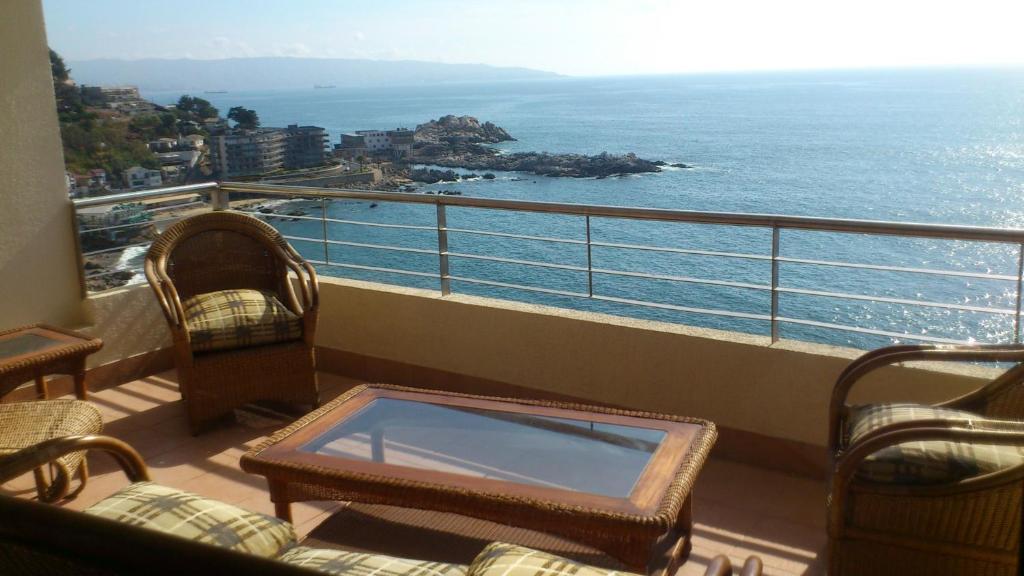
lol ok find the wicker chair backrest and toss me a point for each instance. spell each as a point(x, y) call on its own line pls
point(220, 251)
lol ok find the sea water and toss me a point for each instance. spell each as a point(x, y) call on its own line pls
point(938, 146)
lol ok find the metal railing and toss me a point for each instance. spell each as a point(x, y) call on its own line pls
point(776, 224)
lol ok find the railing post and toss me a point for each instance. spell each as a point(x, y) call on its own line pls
point(220, 199)
point(1020, 281)
point(775, 284)
point(323, 226)
point(442, 249)
point(590, 263)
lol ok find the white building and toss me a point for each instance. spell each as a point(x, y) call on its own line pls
point(399, 142)
point(138, 177)
point(190, 142)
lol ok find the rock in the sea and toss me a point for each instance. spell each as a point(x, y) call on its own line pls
point(464, 142)
point(432, 176)
point(460, 130)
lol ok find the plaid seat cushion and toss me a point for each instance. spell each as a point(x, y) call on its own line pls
point(230, 319)
point(931, 462)
point(501, 559)
point(200, 519)
point(362, 564)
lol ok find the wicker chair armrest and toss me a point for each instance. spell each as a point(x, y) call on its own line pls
point(32, 457)
point(166, 295)
point(975, 431)
point(889, 355)
point(721, 566)
point(752, 567)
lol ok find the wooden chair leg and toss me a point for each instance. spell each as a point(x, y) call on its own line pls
point(41, 484)
point(42, 392)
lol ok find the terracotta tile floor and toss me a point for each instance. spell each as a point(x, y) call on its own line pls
point(738, 509)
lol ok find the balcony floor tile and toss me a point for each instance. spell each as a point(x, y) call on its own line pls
point(739, 510)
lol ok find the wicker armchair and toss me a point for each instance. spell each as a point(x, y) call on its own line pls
point(928, 489)
point(223, 280)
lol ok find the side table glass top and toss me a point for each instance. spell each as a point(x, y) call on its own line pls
point(26, 343)
point(554, 452)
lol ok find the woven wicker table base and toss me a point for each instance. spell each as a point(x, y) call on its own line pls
point(436, 536)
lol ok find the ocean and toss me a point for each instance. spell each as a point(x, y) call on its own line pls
point(938, 146)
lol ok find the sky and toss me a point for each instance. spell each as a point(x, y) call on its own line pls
point(572, 37)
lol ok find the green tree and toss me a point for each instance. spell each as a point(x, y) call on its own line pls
point(69, 97)
point(57, 68)
point(199, 108)
point(244, 117)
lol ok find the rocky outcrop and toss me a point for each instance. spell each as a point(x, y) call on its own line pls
point(460, 130)
point(463, 142)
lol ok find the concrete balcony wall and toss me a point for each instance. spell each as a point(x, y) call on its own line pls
point(38, 257)
point(739, 381)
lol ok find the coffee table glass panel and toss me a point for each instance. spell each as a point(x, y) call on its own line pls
point(556, 452)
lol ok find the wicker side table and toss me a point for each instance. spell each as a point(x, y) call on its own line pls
point(32, 352)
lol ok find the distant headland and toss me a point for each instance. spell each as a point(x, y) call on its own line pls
point(154, 74)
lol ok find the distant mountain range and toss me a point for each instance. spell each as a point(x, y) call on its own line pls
point(271, 73)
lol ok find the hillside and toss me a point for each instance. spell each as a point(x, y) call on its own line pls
point(275, 73)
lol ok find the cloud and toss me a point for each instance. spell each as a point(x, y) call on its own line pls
point(293, 49)
point(359, 36)
point(224, 47)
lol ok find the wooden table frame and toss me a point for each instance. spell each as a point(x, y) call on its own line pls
point(648, 530)
point(66, 357)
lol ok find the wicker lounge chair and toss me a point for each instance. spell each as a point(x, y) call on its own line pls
point(151, 529)
point(26, 424)
point(928, 489)
point(240, 334)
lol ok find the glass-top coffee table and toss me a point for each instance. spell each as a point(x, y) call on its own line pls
point(616, 480)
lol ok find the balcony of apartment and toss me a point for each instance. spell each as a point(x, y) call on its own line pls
point(763, 491)
point(757, 367)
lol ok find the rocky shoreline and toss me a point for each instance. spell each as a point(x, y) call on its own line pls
point(464, 142)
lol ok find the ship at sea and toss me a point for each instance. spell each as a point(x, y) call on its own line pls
point(323, 86)
point(215, 91)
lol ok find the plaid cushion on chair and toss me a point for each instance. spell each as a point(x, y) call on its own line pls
point(362, 564)
point(230, 319)
point(200, 519)
point(500, 559)
point(932, 462)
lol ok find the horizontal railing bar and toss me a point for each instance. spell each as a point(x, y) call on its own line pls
point(378, 246)
point(904, 301)
point(873, 331)
point(682, 251)
point(686, 279)
point(276, 215)
point(117, 248)
point(519, 287)
point(144, 194)
point(517, 236)
point(946, 231)
point(360, 244)
point(884, 268)
point(379, 269)
point(110, 272)
point(515, 261)
point(302, 239)
point(120, 226)
point(381, 225)
point(708, 311)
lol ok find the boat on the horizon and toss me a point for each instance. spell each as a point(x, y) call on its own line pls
point(323, 86)
point(215, 91)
